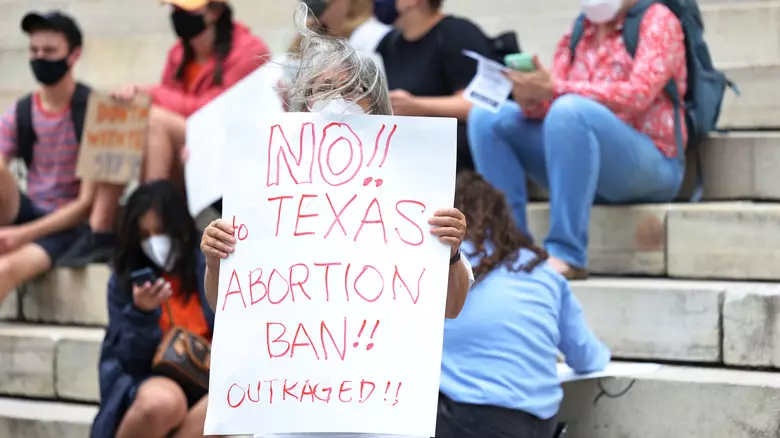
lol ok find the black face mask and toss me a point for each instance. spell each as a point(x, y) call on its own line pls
point(49, 72)
point(186, 25)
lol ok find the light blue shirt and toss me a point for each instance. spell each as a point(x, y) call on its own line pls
point(502, 349)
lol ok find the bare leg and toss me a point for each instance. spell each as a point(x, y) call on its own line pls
point(167, 133)
point(159, 407)
point(107, 197)
point(20, 266)
point(9, 195)
point(193, 423)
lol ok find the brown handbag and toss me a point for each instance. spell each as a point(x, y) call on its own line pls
point(184, 357)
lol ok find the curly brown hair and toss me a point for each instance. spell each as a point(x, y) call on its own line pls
point(490, 220)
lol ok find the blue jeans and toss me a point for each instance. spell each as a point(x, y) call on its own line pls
point(581, 153)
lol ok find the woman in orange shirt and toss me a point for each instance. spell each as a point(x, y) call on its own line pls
point(156, 232)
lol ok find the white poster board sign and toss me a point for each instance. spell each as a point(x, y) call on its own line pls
point(331, 310)
point(257, 95)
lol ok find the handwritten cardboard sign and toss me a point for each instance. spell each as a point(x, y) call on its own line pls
point(331, 310)
point(112, 145)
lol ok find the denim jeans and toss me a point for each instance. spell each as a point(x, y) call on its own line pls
point(581, 153)
point(460, 420)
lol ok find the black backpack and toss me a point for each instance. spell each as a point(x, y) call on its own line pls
point(706, 84)
point(25, 134)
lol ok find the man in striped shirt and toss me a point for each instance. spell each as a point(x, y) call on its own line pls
point(38, 227)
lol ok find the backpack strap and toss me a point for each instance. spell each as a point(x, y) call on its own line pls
point(631, 41)
point(78, 108)
point(576, 36)
point(25, 134)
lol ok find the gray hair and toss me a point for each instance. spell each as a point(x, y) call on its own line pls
point(330, 67)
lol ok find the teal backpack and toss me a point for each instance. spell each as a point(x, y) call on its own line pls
point(706, 84)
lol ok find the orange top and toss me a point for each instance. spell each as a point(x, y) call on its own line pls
point(191, 73)
point(186, 313)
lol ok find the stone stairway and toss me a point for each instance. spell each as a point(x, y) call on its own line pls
point(696, 287)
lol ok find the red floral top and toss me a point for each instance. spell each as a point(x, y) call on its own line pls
point(631, 87)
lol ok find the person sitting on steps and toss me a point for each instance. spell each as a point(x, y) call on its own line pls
point(212, 54)
point(38, 228)
point(156, 232)
point(597, 127)
point(499, 376)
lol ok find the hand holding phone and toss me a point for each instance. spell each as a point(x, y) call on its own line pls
point(523, 62)
point(143, 276)
point(149, 292)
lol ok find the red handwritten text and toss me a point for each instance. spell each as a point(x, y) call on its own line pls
point(373, 217)
point(365, 283)
point(276, 391)
point(299, 160)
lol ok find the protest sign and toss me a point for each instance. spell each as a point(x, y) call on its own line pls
point(112, 145)
point(330, 312)
point(256, 95)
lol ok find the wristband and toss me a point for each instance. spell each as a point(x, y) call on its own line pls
point(455, 258)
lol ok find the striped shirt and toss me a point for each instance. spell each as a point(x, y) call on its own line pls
point(51, 179)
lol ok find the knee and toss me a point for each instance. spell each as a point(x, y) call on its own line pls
point(569, 108)
point(503, 123)
point(163, 409)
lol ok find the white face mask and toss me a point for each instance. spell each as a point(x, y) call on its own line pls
point(601, 11)
point(158, 250)
point(337, 105)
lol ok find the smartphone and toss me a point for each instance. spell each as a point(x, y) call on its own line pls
point(143, 276)
point(521, 62)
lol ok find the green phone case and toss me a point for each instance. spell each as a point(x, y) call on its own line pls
point(520, 62)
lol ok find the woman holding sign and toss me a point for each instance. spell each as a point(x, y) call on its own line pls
point(351, 81)
point(155, 292)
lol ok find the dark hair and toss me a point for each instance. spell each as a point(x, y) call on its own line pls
point(223, 43)
point(489, 220)
point(169, 204)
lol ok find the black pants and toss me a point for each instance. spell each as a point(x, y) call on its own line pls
point(459, 420)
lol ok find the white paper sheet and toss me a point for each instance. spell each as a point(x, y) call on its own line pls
point(369, 289)
point(255, 95)
point(614, 369)
point(490, 88)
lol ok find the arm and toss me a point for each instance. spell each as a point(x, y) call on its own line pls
point(660, 53)
point(584, 352)
point(242, 62)
point(458, 70)
point(67, 216)
point(212, 285)
point(137, 333)
point(560, 69)
point(446, 106)
point(459, 281)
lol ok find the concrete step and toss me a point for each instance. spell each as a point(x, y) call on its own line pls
point(49, 362)
point(68, 296)
point(676, 402)
point(727, 241)
point(739, 165)
point(685, 321)
point(44, 419)
point(731, 241)
point(757, 106)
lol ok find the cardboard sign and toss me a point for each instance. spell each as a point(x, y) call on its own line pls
point(330, 313)
point(112, 145)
